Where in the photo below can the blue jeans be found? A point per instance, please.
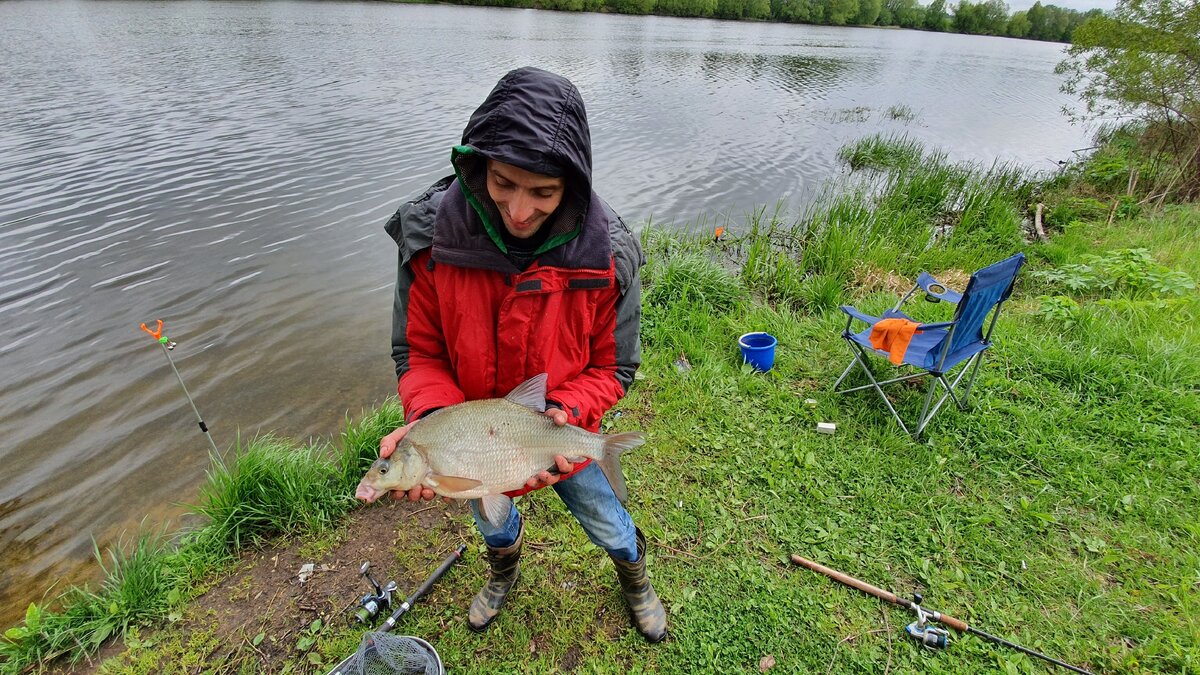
(589, 498)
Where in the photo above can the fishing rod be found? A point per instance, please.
(929, 636)
(370, 605)
(168, 345)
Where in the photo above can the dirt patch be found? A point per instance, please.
(871, 280)
(956, 279)
(264, 594)
(570, 660)
(612, 624)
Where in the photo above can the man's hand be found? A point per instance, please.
(561, 465)
(387, 445)
(545, 478)
(558, 415)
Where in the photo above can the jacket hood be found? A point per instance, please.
(535, 120)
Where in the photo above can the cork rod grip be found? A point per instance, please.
(848, 580)
(863, 586)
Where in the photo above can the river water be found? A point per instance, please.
(228, 167)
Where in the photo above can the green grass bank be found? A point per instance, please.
(1059, 512)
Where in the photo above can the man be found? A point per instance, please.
(513, 267)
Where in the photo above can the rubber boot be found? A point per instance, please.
(505, 568)
(644, 605)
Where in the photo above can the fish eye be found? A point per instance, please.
(383, 470)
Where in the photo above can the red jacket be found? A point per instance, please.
(468, 323)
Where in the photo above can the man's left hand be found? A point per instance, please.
(545, 478)
(558, 415)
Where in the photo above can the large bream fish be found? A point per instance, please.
(482, 449)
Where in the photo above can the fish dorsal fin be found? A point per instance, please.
(530, 394)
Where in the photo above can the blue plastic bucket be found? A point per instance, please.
(758, 349)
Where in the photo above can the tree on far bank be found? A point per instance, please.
(840, 12)
(630, 6)
(868, 12)
(703, 8)
(976, 17)
(758, 9)
(1018, 25)
(906, 13)
(936, 17)
(1141, 63)
(984, 18)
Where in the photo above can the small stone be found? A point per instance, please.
(766, 663)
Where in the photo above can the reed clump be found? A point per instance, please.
(904, 207)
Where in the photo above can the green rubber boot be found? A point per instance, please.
(505, 568)
(644, 605)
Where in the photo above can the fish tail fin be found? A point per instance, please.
(610, 463)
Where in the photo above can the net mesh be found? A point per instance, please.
(387, 654)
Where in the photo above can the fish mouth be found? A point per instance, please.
(366, 492)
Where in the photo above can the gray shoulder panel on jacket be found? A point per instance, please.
(627, 250)
(411, 226)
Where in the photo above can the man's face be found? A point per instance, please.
(525, 199)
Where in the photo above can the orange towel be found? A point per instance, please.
(893, 336)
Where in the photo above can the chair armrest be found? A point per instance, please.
(935, 326)
(937, 289)
(855, 314)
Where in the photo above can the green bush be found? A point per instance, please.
(1130, 272)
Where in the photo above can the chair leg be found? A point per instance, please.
(860, 359)
(845, 372)
(928, 413)
(925, 415)
(966, 392)
(930, 408)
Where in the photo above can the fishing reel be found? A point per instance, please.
(371, 604)
(922, 631)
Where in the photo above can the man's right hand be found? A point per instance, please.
(387, 445)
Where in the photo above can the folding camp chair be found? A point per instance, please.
(938, 348)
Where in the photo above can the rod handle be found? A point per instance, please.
(863, 586)
(417, 594)
(957, 624)
(849, 580)
(437, 574)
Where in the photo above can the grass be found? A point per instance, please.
(1059, 512)
(881, 152)
(136, 589)
(901, 112)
